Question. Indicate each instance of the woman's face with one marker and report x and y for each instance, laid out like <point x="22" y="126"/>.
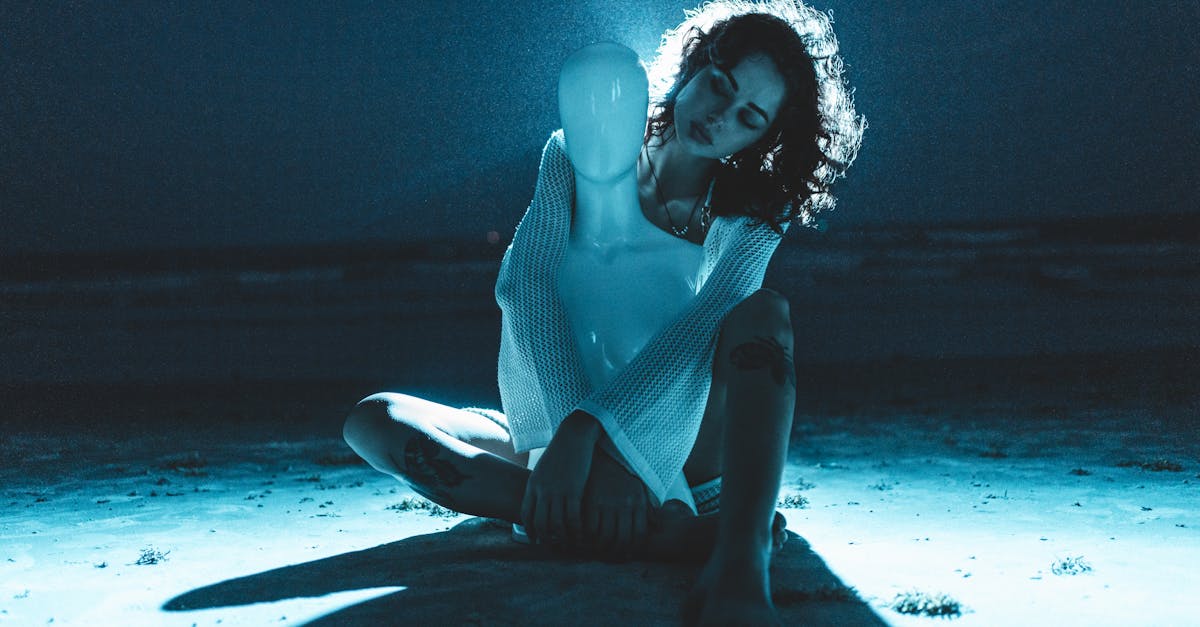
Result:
<point x="735" y="106"/>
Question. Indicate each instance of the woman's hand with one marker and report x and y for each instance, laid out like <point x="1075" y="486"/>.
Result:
<point x="551" y="507"/>
<point x="615" y="508"/>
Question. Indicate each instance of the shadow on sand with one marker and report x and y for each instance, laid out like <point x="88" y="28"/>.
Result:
<point x="474" y="574"/>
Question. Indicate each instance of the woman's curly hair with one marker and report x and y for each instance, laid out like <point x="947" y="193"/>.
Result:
<point x="788" y="173"/>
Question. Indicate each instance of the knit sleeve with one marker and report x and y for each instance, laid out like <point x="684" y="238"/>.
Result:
<point x="652" y="409"/>
<point x="539" y="372"/>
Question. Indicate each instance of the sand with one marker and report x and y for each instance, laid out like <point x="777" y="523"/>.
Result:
<point x="1054" y="494"/>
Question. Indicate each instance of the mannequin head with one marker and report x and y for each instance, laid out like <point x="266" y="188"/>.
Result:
<point x="602" y="100"/>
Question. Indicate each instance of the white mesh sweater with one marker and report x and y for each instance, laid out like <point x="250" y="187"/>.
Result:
<point x="651" y="411"/>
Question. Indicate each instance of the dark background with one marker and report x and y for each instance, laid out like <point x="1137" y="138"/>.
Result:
<point x="167" y="124"/>
<point x="304" y="191"/>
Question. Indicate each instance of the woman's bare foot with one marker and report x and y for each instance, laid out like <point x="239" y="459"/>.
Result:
<point x="678" y="535"/>
<point x="731" y="592"/>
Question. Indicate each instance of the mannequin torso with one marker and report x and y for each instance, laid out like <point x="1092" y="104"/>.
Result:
<point x="617" y="295"/>
<point x="624" y="275"/>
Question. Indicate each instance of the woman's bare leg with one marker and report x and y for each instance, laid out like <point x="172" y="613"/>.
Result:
<point x="686" y="537"/>
<point x="465" y="462"/>
<point x="761" y="395"/>
<point x="457" y="459"/>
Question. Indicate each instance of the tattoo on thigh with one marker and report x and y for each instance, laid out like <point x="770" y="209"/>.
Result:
<point x="765" y="352"/>
<point x="429" y="475"/>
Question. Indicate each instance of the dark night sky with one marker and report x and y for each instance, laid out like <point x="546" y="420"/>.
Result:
<point x="176" y="123"/>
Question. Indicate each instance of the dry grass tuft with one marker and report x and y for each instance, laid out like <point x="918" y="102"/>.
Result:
<point x="151" y="556"/>
<point x="1070" y="566"/>
<point x="792" y="501"/>
<point x="925" y="604"/>
<point x="412" y="504"/>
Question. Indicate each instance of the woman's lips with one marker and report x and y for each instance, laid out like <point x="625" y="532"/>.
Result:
<point x="699" y="133"/>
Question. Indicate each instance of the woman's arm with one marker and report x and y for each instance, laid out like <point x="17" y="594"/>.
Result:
<point x="582" y="426"/>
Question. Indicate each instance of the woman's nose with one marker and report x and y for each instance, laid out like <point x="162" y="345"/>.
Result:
<point x="713" y="122"/>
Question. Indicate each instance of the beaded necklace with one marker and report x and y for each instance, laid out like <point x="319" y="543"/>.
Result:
<point x="680" y="231"/>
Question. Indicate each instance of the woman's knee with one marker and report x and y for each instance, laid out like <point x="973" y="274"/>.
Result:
<point x="756" y="333"/>
<point x="372" y="414"/>
<point x="766" y="310"/>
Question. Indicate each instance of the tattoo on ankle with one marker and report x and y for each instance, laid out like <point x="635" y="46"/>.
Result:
<point x="765" y="352"/>
<point x="427" y="474"/>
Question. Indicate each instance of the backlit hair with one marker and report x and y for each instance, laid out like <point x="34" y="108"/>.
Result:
<point x="787" y="175"/>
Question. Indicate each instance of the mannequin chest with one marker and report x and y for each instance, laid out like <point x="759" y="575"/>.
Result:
<point x="619" y="294"/>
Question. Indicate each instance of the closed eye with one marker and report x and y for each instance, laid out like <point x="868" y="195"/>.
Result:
<point x="719" y="87"/>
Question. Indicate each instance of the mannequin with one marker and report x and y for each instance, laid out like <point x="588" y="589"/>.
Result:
<point x="623" y="278"/>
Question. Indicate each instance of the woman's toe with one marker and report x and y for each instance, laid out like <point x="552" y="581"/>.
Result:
<point x="779" y="532"/>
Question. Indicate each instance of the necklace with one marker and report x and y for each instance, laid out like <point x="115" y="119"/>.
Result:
<point x="679" y="231"/>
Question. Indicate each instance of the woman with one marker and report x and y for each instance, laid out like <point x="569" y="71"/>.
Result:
<point x="675" y="447"/>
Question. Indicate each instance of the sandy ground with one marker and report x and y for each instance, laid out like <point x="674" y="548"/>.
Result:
<point x="1020" y="492"/>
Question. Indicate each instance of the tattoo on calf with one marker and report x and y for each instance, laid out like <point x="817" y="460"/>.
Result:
<point x="765" y="352"/>
<point x="427" y="474"/>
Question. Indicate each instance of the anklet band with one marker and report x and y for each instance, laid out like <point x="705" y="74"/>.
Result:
<point x="707" y="496"/>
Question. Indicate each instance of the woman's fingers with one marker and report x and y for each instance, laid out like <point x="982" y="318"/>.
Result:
<point x="608" y="530"/>
<point x="590" y="540"/>
<point x="591" y="522"/>
<point x="557" y="519"/>
<point x="574" y="521"/>
<point x="541" y="519"/>
<point x="557" y="530"/>
<point x="640" y="531"/>
<point x="624" y="532"/>
<point x="527" y="508"/>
